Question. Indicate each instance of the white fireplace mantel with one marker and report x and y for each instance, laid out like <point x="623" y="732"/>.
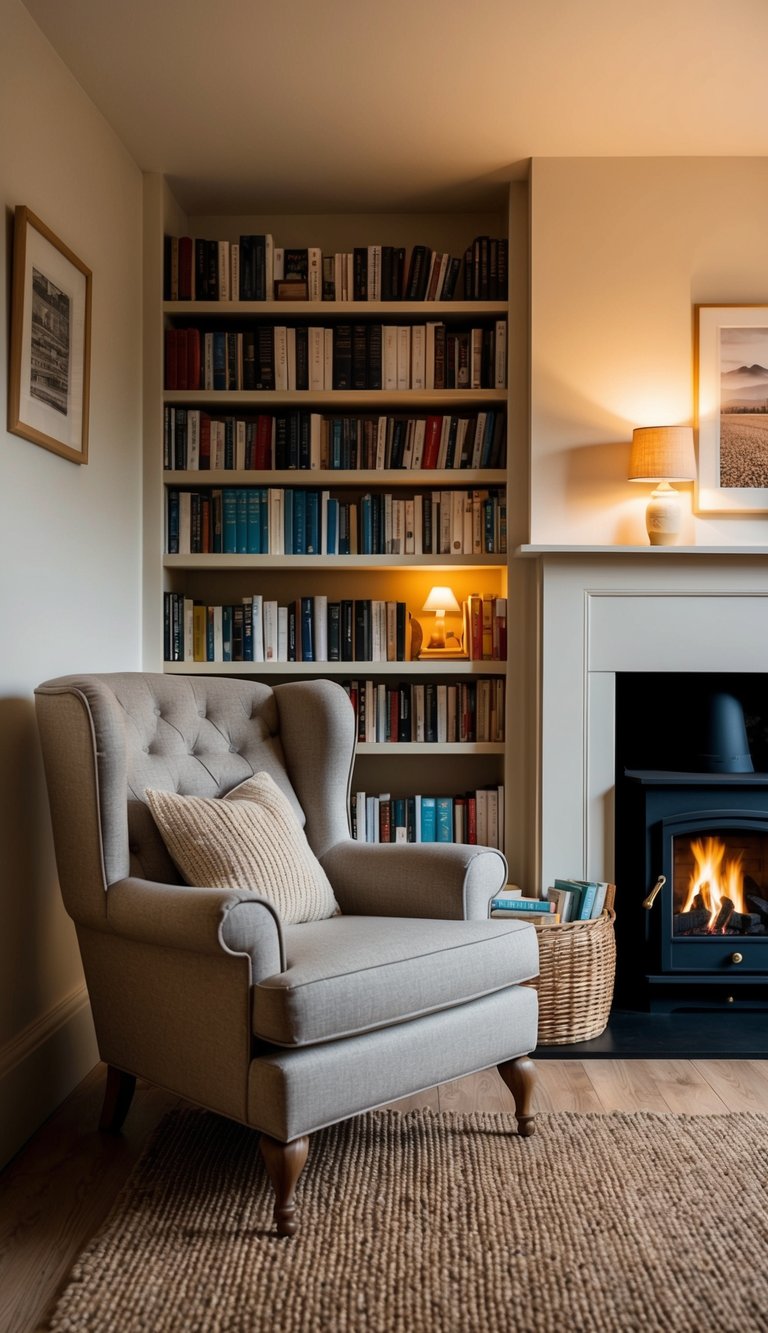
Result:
<point x="608" y="609"/>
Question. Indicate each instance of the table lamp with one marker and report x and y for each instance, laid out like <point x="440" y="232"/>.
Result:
<point x="440" y="602"/>
<point x="661" y="454"/>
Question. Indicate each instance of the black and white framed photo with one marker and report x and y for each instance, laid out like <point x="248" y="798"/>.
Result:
<point x="732" y="408"/>
<point x="50" y="341"/>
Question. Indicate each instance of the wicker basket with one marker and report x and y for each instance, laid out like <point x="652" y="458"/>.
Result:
<point x="577" y="964"/>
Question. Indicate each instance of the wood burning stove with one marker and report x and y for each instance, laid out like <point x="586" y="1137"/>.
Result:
<point x="692" y="875"/>
<point x="692" y="867"/>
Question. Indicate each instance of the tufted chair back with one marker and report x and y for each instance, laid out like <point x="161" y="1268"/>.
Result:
<point x="198" y="736"/>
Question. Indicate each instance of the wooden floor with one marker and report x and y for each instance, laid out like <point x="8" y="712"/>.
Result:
<point x="60" y="1186"/>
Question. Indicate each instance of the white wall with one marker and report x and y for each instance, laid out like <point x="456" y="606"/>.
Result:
<point x="70" y="544"/>
<point x="622" y="249"/>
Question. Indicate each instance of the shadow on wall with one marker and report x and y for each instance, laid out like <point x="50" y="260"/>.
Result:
<point x="37" y="941"/>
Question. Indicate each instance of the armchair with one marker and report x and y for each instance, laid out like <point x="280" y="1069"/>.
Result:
<point x="204" y="991"/>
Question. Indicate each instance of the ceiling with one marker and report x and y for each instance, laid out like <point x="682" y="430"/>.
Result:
<point x="406" y="104"/>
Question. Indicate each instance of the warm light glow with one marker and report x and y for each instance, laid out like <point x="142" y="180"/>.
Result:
<point x="442" y="599"/>
<point x="712" y="882"/>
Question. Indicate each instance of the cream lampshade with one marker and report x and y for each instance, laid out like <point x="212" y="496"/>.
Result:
<point x="441" y="601"/>
<point x="661" y="454"/>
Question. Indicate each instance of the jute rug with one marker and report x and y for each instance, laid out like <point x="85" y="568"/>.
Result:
<point x="445" y="1223"/>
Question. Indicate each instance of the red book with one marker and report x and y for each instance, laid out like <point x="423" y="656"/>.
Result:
<point x="432" y="441"/>
<point x="472" y="819"/>
<point x="193" y="359"/>
<point x="263" y="459"/>
<point x="205" y="442"/>
<point x="172" y="358"/>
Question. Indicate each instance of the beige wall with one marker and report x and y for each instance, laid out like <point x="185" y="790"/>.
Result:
<point x="622" y="249"/>
<point x="70" y="543"/>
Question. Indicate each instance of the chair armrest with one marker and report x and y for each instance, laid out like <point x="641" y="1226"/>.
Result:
<point x="177" y="916"/>
<point x="451" y="881"/>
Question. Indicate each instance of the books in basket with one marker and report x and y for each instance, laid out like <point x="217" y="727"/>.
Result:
<point x="511" y="904"/>
<point x="578" y="899"/>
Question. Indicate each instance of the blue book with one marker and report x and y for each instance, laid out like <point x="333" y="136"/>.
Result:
<point x="219" y="360"/>
<point x="241" y="520"/>
<point x="229" y="520"/>
<point x="588" y="902"/>
<point x="313" y="522"/>
<point x="307" y="638"/>
<point x="521" y="905"/>
<point x="299" y="523"/>
<point x="332" y="527"/>
<point x="264" y="526"/>
<point x="366" y="525"/>
<point x="444" y="818"/>
<point x="173" y="522"/>
<point x="428" y="819"/>
<point x="254" y="520"/>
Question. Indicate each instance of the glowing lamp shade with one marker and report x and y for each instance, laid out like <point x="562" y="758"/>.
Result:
<point x="440" y="602"/>
<point x="659" y="455"/>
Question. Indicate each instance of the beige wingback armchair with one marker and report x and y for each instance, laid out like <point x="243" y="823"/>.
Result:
<point x="204" y="991"/>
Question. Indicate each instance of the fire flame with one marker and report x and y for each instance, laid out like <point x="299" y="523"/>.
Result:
<point x="713" y="882"/>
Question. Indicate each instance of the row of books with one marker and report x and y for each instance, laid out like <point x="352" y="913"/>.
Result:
<point x="344" y="356"/>
<point x="430" y="712"/>
<point x="277" y="520"/>
<point x="316" y="629"/>
<point x="567" y="900"/>
<point x="307" y="629"/>
<point x="195" y="440"/>
<point x="253" y="268"/>
<point x="471" y="817"/>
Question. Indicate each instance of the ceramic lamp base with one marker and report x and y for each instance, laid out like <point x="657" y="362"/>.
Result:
<point x="664" y="516"/>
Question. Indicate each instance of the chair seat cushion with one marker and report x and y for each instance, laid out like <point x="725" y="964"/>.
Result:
<point x="351" y="974"/>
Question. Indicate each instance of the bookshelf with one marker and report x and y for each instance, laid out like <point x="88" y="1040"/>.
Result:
<point x="219" y="578"/>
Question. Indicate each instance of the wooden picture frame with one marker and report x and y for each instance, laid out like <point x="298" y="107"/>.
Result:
<point x="48" y="390"/>
<point x="731" y="396"/>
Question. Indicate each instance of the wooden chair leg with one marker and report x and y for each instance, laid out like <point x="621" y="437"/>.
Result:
<point x="520" y="1077"/>
<point x="284" y="1163"/>
<point x="118" y="1095"/>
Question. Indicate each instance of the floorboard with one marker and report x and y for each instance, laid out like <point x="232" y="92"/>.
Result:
<point x="57" y="1190"/>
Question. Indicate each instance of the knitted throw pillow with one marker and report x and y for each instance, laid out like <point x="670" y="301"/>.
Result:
<point x="249" y="839"/>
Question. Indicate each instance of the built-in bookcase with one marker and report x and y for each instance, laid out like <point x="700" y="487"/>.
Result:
<point x="203" y="569"/>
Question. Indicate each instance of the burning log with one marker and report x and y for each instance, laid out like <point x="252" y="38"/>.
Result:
<point x="741" y="923"/>
<point x="727" y="909"/>
<point x="689" y="923"/>
<point x="762" y="906"/>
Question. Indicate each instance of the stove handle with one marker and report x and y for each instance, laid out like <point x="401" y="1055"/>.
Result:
<point x="658" y="886"/>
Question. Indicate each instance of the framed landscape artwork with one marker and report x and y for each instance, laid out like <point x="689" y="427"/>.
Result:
<point x="732" y="408"/>
<point x="50" y="341"/>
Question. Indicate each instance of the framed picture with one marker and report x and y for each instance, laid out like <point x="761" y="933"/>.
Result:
<point x="732" y="408"/>
<point x="50" y="341"/>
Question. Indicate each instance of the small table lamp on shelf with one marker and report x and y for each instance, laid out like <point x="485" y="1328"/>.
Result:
<point x="661" y="454"/>
<point x="441" y="602"/>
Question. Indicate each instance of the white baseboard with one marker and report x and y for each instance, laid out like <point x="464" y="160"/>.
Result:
<point x="40" y="1067"/>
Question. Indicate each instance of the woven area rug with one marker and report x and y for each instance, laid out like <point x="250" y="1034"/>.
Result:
<point x="441" y="1222"/>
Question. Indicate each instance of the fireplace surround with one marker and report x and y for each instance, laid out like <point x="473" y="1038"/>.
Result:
<point x="663" y="614"/>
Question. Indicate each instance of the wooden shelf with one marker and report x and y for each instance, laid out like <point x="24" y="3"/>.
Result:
<point x="330" y="477"/>
<point x="340" y="562"/>
<point x="278" y="311"/>
<point x="414" y="399"/>
<point x="360" y="670"/>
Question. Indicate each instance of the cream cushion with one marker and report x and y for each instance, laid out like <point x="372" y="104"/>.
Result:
<point x="249" y="839"/>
